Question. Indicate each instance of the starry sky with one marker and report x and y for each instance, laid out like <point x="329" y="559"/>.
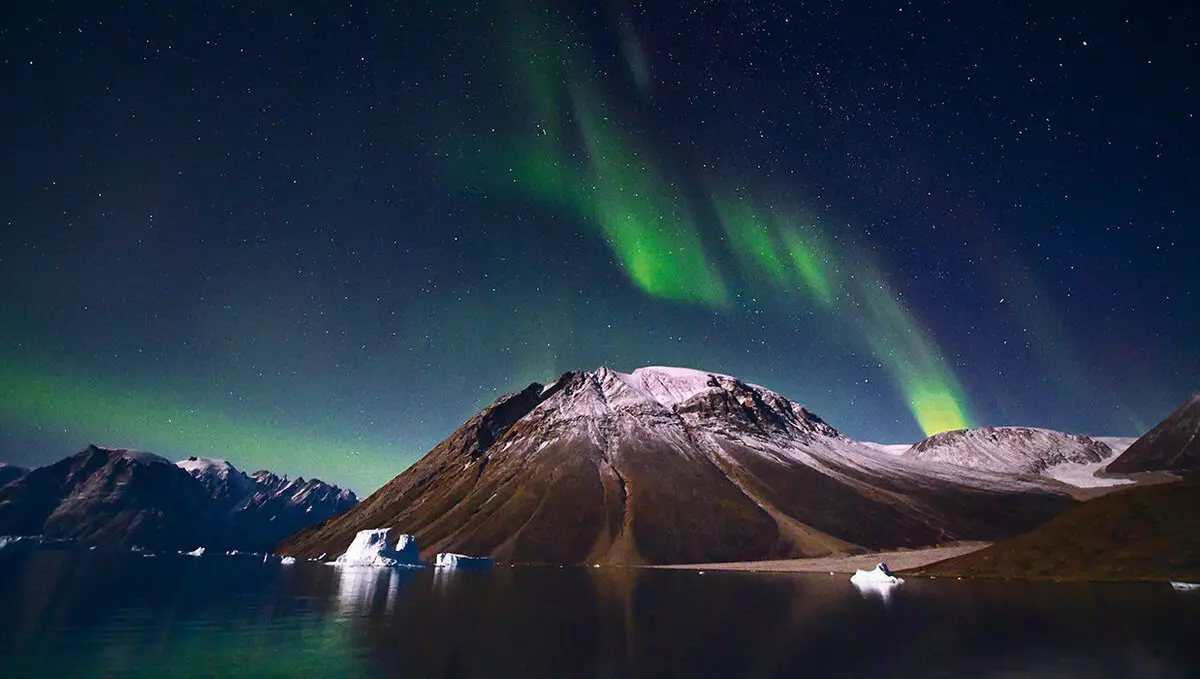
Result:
<point x="317" y="237"/>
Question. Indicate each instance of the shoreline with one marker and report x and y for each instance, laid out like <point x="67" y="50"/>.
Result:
<point x="897" y="560"/>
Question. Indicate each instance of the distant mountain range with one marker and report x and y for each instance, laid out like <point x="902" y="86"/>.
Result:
<point x="668" y="465"/>
<point x="126" y="497"/>
<point x="1016" y="450"/>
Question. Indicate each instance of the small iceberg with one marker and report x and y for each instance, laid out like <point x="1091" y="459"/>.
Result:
<point x="374" y="548"/>
<point x="879" y="581"/>
<point x="287" y="561"/>
<point x="199" y="551"/>
<point x="462" y="561"/>
<point x="1185" y="586"/>
<point x="881" y="575"/>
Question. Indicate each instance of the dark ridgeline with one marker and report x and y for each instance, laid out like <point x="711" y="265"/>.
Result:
<point x="1145" y="533"/>
<point x="10" y="472"/>
<point x="669" y="465"/>
<point x="1172" y="446"/>
<point x="124" y="497"/>
<point x="1150" y="532"/>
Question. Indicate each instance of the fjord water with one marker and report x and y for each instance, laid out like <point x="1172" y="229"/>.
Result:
<point x="90" y="614"/>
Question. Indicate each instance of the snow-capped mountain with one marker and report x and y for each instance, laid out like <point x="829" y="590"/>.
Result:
<point x="111" y="496"/>
<point x="264" y="507"/>
<point x="224" y="482"/>
<point x="1016" y="450"/>
<point x="673" y="465"/>
<point x="1173" y="445"/>
<point x="127" y="497"/>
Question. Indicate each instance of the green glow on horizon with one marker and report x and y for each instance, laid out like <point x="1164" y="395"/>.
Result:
<point x="106" y="413"/>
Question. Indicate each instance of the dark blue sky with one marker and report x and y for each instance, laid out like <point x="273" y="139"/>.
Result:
<point x="317" y="238"/>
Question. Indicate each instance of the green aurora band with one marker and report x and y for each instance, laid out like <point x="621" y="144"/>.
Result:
<point x="613" y="184"/>
<point x="104" y="412"/>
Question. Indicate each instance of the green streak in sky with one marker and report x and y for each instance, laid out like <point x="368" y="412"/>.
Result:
<point x="656" y="240"/>
<point x="750" y="238"/>
<point x="907" y="353"/>
<point x="106" y="413"/>
<point x="574" y="150"/>
<point x="863" y="299"/>
<point x="810" y="263"/>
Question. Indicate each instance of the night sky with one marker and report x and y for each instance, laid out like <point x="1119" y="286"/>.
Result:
<point x="317" y="238"/>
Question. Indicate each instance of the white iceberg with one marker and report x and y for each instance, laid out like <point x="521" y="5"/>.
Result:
<point x="1185" y="586"/>
<point x="878" y="582"/>
<point x="462" y="561"/>
<point x="199" y="551"/>
<point x="374" y="548"/>
<point x="880" y="575"/>
<point x="287" y="560"/>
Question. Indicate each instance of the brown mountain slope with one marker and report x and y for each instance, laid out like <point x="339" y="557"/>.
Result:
<point x="1146" y="533"/>
<point x="667" y="466"/>
<point x="1171" y="446"/>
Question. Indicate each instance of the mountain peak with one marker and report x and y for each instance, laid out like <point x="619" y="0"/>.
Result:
<point x="1173" y="445"/>
<point x="666" y="464"/>
<point x="133" y="454"/>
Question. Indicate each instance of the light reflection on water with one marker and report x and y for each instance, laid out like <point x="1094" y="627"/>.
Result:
<point x="94" y="615"/>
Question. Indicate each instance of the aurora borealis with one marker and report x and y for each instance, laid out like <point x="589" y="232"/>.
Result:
<point x="317" y="240"/>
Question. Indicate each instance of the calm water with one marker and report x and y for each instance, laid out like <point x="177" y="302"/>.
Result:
<point x="65" y="614"/>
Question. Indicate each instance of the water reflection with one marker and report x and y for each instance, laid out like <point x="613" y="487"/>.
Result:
<point x="225" y="617"/>
<point x="364" y="591"/>
<point x="880" y="589"/>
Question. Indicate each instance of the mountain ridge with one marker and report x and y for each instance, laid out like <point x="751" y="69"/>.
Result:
<point x="1172" y="445"/>
<point x="674" y="465"/>
<point x="122" y="496"/>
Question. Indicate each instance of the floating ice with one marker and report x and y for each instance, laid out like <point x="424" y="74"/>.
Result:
<point x="287" y="560"/>
<point x="461" y="561"/>
<point x="1185" y="586"/>
<point x="880" y="575"/>
<point x="199" y="551"/>
<point x="374" y="548"/>
<point x="879" y="581"/>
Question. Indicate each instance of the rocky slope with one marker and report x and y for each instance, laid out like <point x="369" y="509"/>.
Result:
<point x="123" y="497"/>
<point x="667" y="465"/>
<point x="1016" y="450"/>
<point x="10" y="472"/>
<point x="1172" y="446"/>
<point x="1144" y="533"/>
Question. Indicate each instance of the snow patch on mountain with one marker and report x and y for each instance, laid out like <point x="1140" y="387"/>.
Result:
<point x="889" y="448"/>
<point x="136" y="455"/>
<point x="1084" y="475"/>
